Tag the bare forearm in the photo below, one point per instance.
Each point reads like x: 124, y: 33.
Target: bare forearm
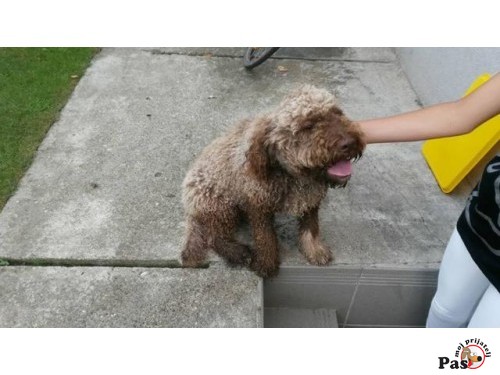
x: 441, y: 120
x: 432, y: 122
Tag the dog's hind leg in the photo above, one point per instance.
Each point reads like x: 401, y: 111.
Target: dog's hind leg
x: 234, y: 253
x: 224, y: 244
x: 266, y: 259
x: 310, y: 243
x: 197, y: 244
x: 214, y: 232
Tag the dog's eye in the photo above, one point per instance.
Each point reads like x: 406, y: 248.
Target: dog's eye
x: 337, y: 111
x: 308, y: 125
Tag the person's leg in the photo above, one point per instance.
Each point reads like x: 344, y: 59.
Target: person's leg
x: 487, y: 313
x: 460, y: 286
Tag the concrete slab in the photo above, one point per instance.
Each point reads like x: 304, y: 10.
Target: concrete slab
x: 105, y: 184
x: 128, y: 297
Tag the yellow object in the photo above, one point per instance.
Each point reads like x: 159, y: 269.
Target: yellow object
x: 452, y: 158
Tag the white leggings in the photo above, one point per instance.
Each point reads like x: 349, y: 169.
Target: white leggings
x: 464, y: 296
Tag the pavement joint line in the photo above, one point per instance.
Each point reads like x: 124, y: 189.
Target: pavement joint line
x: 193, y: 54
x: 157, y: 52
x: 332, y: 59
x: 173, y: 263
x: 13, y: 262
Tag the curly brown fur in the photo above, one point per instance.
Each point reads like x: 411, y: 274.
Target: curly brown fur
x: 278, y: 162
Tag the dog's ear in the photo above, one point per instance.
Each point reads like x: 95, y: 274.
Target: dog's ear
x: 465, y: 353
x: 258, y: 161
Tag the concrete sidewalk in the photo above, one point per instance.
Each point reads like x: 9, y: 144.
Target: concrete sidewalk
x: 104, y: 189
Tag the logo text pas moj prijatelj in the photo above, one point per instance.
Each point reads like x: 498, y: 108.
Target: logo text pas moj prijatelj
x: 469, y: 356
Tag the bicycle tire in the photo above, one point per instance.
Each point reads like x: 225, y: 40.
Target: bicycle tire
x: 254, y: 56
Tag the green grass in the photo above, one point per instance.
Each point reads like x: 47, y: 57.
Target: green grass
x: 35, y: 83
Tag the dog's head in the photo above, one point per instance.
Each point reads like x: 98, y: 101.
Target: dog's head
x: 308, y: 135
x: 466, y: 353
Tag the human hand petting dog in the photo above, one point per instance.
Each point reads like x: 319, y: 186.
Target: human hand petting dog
x: 282, y: 161
x: 441, y: 120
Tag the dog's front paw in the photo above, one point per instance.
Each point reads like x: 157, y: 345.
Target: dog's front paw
x: 265, y: 269
x: 318, y: 255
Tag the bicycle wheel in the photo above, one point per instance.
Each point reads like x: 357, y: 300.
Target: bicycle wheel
x: 255, y: 56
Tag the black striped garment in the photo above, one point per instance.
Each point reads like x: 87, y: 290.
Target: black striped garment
x: 479, y: 223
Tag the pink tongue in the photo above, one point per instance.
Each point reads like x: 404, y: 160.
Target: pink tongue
x: 342, y: 168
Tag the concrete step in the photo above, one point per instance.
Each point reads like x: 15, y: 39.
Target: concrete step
x: 286, y: 317
x: 361, y: 297
x: 128, y: 297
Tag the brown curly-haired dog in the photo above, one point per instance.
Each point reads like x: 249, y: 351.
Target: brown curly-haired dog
x: 283, y: 161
